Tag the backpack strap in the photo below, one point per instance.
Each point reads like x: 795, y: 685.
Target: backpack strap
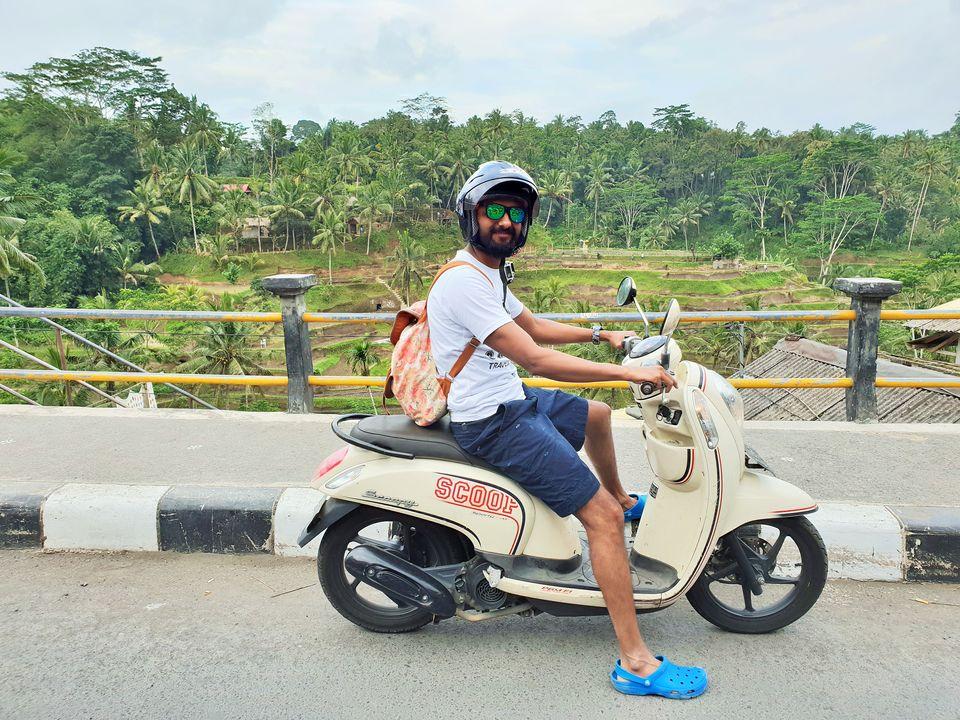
x: 467, y: 352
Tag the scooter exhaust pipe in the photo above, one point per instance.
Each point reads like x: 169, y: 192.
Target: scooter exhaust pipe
x: 400, y: 580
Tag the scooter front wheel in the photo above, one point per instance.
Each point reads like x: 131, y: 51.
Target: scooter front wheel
x: 787, y: 563
x: 418, y: 541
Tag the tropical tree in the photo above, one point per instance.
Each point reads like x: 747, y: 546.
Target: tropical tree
x: 555, y: 185
x: 188, y: 184
x: 329, y: 229
x: 13, y: 260
x: 685, y: 215
x: 284, y: 202
x: 372, y: 205
x: 225, y: 348
x: 932, y: 162
x: 131, y: 269
x: 598, y: 180
x: 407, y: 263
x: 145, y: 204
x: 785, y: 205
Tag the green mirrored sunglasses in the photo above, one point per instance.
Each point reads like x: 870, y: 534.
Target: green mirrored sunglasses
x: 495, y: 211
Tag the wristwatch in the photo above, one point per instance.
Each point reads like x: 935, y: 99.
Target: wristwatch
x: 596, y: 334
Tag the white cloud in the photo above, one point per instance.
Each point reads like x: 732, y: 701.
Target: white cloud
x: 784, y: 65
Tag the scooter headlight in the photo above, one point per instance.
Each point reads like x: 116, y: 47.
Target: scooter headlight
x: 344, y: 477
x: 731, y: 398
x: 702, y: 408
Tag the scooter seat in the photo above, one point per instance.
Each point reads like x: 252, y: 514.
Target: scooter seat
x: 401, y: 434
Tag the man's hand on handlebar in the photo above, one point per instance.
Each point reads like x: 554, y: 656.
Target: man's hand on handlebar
x: 616, y: 338
x: 653, y: 374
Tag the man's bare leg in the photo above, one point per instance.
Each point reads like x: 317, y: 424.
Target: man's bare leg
x: 602, y: 518
x: 602, y: 454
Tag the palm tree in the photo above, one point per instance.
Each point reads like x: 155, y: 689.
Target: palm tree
x: 189, y: 184
x: 130, y: 268
x: 327, y: 235
x: 14, y: 260
x: 557, y: 186
x: 203, y: 129
x: 155, y: 162
x: 146, y: 204
x: 96, y: 235
x: 225, y: 348
x: 702, y: 206
x: 685, y: 215
x: 284, y: 202
x: 431, y: 164
x: 664, y: 225
x: 232, y: 212
x: 350, y: 158
x: 371, y: 206
x: 597, y: 182
x: 408, y: 261
x: 362, y: 357
x: 785, y: 205
x: 933, y: 161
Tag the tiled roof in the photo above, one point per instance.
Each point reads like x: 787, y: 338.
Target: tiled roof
x: 806, y: 358
x: 929, y: 326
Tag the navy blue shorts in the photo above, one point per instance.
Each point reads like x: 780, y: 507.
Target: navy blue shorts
x: 534, y: 442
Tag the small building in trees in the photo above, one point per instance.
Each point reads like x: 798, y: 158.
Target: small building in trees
x: 255, y: 228
x: 242, y: 187
x: 940, y: 338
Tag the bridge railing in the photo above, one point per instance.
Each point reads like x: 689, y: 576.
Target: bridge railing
x: 860, y: 382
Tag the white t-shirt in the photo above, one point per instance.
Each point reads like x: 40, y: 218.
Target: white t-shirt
x: 463, y: 305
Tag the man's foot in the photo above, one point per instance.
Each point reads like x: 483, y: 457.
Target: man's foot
x: 634, y: 510
x: 668, y: 680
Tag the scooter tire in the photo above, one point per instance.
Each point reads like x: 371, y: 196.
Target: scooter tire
x: 444, y: 547
x: 814, y: 558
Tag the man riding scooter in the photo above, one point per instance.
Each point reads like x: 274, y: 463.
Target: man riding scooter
x: 532, y: 435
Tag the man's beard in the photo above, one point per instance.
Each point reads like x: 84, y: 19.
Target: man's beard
x: 492, y: 248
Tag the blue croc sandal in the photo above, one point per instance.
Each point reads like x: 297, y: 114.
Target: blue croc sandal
x: 636, y: 511
x: 670, y: 681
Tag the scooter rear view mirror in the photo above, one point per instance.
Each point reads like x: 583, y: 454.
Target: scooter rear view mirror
x: 671, y: 318
x: 626, y: 293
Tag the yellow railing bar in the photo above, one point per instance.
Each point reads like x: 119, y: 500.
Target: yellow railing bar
x: 134, y: 377
x: 370, y: 381
x: 931, y: 314
x: 918, y: 382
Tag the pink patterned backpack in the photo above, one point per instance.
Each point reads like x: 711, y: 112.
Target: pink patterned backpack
x: 413, y: 379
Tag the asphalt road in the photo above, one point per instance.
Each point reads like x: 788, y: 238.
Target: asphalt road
x: 44, y: 447
x: 200, y: 636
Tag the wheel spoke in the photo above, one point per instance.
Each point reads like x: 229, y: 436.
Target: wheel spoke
x: 747, y: 599
x: 717, y: 575
x: 353, y: 585
x: 774, y: 550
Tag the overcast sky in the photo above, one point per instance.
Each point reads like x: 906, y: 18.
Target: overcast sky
x: 894, y: 64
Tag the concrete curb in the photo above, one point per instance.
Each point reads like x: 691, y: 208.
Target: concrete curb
x: 864, y: 542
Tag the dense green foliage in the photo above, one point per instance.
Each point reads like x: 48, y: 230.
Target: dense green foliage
x: 108, y: 172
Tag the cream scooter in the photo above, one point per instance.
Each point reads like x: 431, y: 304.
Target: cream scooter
x: 415, y: 530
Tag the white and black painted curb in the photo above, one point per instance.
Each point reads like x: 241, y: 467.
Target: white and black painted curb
x: 179, y: 518
x: 864, y: 542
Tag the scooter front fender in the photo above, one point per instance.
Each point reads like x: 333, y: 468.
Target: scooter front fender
x: 331, y: 511
x: 760, y: 496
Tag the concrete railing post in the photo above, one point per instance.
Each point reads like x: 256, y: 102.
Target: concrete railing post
x: 292, y: 290
x: 863, y: 339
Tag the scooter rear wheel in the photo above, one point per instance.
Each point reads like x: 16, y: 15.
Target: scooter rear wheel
x: 421, y: 542
x: 791, y: 579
